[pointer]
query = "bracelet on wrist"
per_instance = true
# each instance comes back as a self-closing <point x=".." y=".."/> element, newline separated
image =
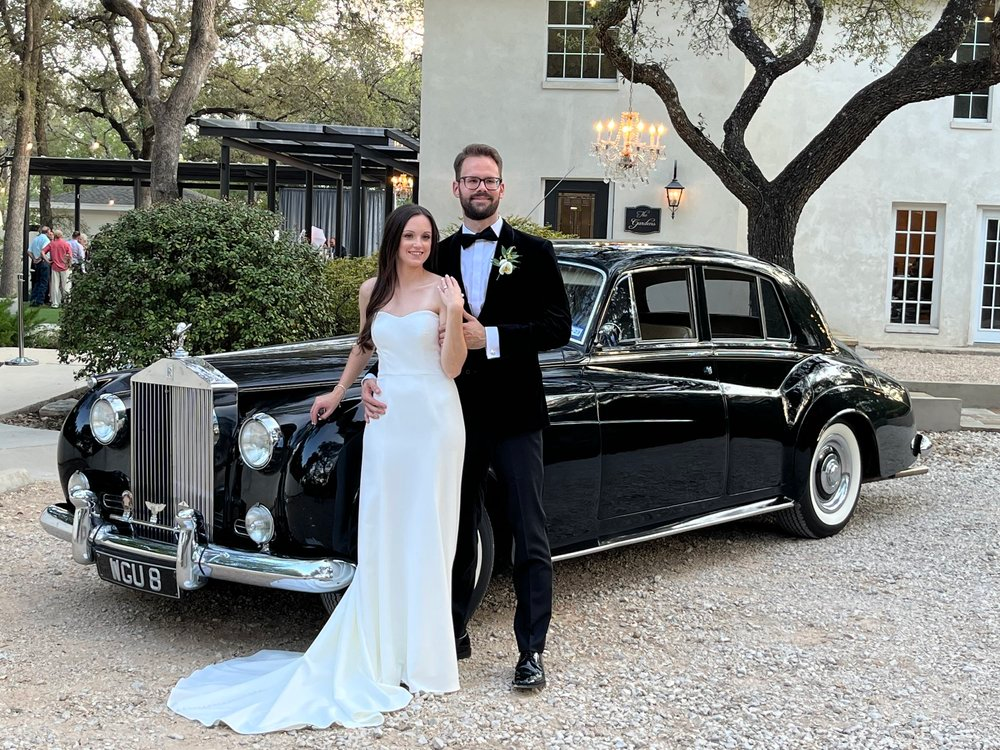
<point x="340" y="387"/>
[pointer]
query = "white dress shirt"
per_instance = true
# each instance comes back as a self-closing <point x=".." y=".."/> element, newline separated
<point x="477" y="264"/>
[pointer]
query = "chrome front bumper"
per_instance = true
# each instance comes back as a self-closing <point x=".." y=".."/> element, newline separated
<point x="195" y="563"/>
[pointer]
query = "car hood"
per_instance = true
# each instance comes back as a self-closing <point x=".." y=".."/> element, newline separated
<point x="308" y="363"/>
<point x="286" y="365"/>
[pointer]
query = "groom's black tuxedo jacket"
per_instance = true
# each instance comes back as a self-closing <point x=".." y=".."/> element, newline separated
<point x="531" y="313"/>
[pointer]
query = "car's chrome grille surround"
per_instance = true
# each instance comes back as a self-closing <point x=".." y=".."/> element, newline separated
<point x="172" y="444"/>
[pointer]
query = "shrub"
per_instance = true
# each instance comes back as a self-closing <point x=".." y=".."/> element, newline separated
<point x="524" y="224"/>
<point x="343" y="277"/>
<point x="8" y="321"/>
<point x="214" y="264"/>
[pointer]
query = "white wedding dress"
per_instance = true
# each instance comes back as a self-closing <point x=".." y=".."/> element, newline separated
<point x="393" y="627"/>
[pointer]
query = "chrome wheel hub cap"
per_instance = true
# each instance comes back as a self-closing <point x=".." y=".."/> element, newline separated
<point x="832" y="475"/>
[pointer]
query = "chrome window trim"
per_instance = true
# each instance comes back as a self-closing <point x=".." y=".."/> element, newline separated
<point x="640" y="343"/>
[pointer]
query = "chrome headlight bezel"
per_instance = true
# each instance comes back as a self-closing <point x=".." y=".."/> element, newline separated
<point x="260" y="426"/>
<point x="112" y="426"/>
<point x="259" y="523"/>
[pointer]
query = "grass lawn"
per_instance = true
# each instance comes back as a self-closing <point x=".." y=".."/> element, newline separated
<point x="46" y="314"/>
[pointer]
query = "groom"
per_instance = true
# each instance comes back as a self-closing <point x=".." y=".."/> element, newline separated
<point x="516" y="306"/>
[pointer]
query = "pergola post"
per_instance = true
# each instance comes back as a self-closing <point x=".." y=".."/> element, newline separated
<point x="272" y="185"/>
<point x="310" y="181"/>
<point x="224" y="172"/>
<point x="76" y="208"/>
<point x="251" y="193"/>
<point x="339" y="229"/>
<point x="355" y="249"/>
<point x="390" y="195"/>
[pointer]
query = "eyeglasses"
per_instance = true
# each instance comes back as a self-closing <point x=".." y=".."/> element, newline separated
<point x="471" y="183"/>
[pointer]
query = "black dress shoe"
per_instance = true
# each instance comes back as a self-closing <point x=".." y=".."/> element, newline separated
<point x="529" y="672"/>
<point x="463" y="646"/>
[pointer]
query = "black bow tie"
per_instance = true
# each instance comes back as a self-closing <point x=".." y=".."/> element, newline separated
<point x="467" y="238"/>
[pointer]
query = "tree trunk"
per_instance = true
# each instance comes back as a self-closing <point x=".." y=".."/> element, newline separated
<point x="31" y="60"/>
<point x="42" y="149"/>
<point x="771" y="231"/>
<point x="163" y="160"/>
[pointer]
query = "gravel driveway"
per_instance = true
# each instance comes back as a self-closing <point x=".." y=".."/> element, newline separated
<point x="885" y="636"/>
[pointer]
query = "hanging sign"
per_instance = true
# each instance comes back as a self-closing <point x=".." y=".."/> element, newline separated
<point x="642" y="219"/>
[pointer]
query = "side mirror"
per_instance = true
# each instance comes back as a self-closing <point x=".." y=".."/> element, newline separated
<point x="608" y="335"/>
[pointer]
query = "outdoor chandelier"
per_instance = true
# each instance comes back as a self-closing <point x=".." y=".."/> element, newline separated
<point x="629" y="149"/>
<point x="402" y="186"/>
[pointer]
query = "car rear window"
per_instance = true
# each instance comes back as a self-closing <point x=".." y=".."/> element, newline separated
<point x="733" y="304"/>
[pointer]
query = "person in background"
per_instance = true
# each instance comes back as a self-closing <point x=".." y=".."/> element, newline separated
<point x="61" y="255"/>
<point x="79" y="247"/>
<point x="39" y="258"/>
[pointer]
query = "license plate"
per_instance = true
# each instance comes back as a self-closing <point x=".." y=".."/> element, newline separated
<point x="140" y="575"/>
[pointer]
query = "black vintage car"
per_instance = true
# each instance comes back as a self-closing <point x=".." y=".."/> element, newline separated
<point x="699" y="387"/>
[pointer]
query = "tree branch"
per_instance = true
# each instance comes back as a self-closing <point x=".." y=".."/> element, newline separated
<point x="746" y="187"/>
<point x="117" y="126"/>
<point x="140" y="37"/>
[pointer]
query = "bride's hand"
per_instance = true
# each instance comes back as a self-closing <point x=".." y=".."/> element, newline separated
<point x="451" y="293"/>
<point x="325" y="405"/>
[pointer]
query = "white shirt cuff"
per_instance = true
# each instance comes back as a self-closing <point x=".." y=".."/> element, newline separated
<point x="492" y="342"/>
<point x="368" y="376"/>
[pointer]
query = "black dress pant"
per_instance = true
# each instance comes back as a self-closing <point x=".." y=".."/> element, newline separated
<point x="517" y="461"/>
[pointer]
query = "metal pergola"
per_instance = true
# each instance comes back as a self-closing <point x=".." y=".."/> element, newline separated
<point x="333" y="154"/>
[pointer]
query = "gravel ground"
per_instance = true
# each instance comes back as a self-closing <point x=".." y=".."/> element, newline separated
<point x="937" y="367"/>
<point x="885" y="636"/>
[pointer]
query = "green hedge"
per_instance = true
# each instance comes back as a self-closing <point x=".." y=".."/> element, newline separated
<point x="8" y="321"/>
<point x="214" y="264"/>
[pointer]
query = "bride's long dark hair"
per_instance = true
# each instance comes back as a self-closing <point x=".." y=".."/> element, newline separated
<point x="387" y="277"/>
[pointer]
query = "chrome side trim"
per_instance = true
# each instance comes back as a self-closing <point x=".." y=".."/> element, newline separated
<point x="913" y="471"/>
<point x="195" y="562"/>
<point x="712" y="519"/>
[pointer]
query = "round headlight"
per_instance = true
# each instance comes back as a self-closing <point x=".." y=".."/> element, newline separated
<point x="107" y="417"/>
<point x="260" y="524"/>
<point x="258" y="437"/>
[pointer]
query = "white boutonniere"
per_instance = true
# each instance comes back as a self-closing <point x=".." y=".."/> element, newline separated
<point x="507" y="261"/>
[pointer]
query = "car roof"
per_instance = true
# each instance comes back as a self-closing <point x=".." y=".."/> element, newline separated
<point x="618" y="256"/>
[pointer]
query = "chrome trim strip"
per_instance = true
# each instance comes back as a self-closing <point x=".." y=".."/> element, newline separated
<point x="194" y="561"/>
<point x="712" y="519"/>
<point x="913" y="471"/>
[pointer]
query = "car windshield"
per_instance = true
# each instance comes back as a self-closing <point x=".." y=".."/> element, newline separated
<point x="583" y="287"/>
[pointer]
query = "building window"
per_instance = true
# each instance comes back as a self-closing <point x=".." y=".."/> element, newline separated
<point x="976" y="104"/>
<point x="914" y="264"/>
<point x="573" y="51"/>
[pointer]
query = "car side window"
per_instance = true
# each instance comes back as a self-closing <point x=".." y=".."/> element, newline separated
<point x="663" y="304"/>
<point x="620" y="311"/>
<point x="733" y="304"/>
<point x="774" y="315"/>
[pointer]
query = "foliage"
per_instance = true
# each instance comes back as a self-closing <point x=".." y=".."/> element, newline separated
<point x="8" y="321"/>
<point x="343" y="277"/>
<point x="522" y="223"/>
<point x="776" y="37"/>
<point x="214" y="264"/>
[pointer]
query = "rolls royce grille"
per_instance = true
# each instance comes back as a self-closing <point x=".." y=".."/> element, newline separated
<point x="172" y="448"/>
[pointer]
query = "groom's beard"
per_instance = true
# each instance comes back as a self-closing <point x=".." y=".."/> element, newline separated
<point x="481" y="210"/>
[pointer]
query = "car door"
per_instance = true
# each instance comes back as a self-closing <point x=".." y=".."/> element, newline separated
<point x="754" y="353"/>
<point x="660" y="407"/>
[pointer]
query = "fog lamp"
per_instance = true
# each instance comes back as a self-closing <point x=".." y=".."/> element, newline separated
<point x="260" y="524"/>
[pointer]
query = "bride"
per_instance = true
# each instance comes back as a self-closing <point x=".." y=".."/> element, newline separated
<point x="391" y="635"/>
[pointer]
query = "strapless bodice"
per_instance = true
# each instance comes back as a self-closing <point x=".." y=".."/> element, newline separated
<point x="407" y="344"/>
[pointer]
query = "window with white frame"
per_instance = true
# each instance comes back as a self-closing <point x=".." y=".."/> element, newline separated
<point x="573" y="51"/>
<point x="975" y="105"/>
<point x="914" y="268"/>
